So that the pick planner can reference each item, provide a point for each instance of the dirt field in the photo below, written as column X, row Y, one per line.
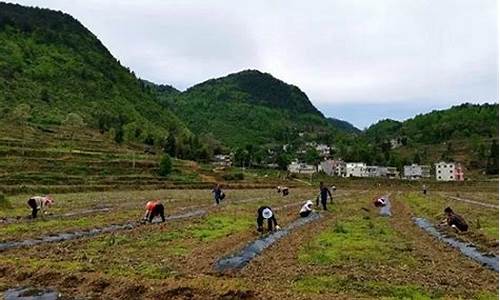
column 349, row 253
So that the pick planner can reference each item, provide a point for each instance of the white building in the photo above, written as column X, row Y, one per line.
column 323, row 150
column 301, row 168
column 222, row 160
column 375, row 171
column 333, row 167
column 415, row 172
column 448, row 171
column 356, row 169
column 391, row 172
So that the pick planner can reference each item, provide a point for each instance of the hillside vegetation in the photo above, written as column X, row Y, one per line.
column 249, row 107
column 51, row 62
column 467, row 133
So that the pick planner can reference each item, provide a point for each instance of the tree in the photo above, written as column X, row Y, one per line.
column 73, row 123
column 241, row 157
column 492, row 164
column 165, row 165
column 283, row 160
column 312, row 157
column 169, row 146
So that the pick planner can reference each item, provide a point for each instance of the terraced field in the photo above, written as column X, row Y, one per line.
column 349, row 252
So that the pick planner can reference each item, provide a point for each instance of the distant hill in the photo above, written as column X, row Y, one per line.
column 463, row 121
column 248, row 107
column 466, row 133
column 51, row 62
column 344, row 126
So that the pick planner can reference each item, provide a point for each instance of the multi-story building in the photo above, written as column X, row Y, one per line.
column 333, row 167
column 415, row 172
column 449, row 171
column 356, row 169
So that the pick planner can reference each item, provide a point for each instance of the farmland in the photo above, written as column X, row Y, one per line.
column 349, row 252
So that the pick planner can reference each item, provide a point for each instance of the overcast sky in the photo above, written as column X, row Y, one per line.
column 357, row 60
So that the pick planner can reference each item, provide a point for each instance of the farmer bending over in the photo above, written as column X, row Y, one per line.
column 153, row 209
column 266, row 213
column 283, row 190
column 324, row 193
column 39, row 203
column 455, row 221
column 307, row 209
column 380, row 202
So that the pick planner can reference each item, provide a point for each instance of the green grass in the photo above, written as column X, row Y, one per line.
column 480, row 219
column 218, row 226
column 379, row 289
column 357, row 238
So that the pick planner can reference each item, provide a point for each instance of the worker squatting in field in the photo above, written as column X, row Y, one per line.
column 266, row 213
column 39, row 203
column 154, row 209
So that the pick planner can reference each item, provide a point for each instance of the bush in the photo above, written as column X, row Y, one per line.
column 233, row 176
column 4, row 202
column 165, row 165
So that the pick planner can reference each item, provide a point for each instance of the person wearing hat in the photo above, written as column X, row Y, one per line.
column 424, row 189
column 324, row 193
column 39, row 203
column 153, row 209
column 266, row 213
column 379, row 202
column 455, row 221
column 218, row 193
column 307, row 209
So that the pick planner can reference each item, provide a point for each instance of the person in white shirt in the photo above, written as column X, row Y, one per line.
column 306, row 209
column 39, row 203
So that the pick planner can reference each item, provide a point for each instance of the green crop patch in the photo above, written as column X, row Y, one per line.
column 357, row 239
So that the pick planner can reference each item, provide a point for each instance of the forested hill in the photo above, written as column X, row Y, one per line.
column 467, row 133
column 52, row 63
column 260, row 88
column 458, row 122
column 249, row 107
column 344, row 126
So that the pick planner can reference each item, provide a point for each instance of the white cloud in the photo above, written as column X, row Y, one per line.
column 344, row 51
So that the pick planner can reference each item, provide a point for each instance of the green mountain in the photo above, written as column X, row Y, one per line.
column 51, row 62
column 344, row 126
column 467, row 133
column 248, row 107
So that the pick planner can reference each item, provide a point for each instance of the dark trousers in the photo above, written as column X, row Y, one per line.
column 158, row 210
column 304, row 214
column 270, row 222
column 34, row 209
column 217, row 199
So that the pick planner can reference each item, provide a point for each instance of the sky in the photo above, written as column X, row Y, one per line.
column 357, row 60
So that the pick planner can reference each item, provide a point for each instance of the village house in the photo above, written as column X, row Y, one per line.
column 323, row 150
column 391, row 172
column 356, row 169
column 333, row 167
column 301, row 168
column 222, row 160
column 415, row 172
column 449, row 171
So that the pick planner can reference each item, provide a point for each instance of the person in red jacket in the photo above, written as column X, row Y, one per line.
column 153, row 209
